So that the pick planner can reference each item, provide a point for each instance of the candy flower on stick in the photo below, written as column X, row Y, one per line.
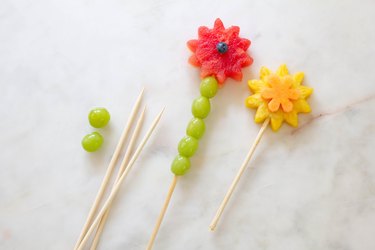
column 277, row 97
column 220, row 54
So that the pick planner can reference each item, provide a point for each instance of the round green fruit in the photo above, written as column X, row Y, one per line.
column 99, row 117
column 188, row 146
column 196, row 128
column 201, row 107
column 180, row 165
column 209, row 87
column 92, row 142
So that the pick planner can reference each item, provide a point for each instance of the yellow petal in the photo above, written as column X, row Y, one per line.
column 262, row 113
column 287, row 81
column 256, row 85
column 254, row 101
column 268, row 93
column 276, row 120
column 282, row 70
column 264, row 72
column 291, row 118
column 301, row 106
column 298, row 78
column 272, row 81
column 287, row 105
column 274, row 105
column 305, row 91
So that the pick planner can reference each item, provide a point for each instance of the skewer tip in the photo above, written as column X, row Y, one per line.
column 162, row 111
column 160, row 114
column 141, row 93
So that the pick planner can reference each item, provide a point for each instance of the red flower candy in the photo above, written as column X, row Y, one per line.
column 220, row 52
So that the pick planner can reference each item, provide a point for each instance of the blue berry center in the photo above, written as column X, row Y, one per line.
column 222, row 47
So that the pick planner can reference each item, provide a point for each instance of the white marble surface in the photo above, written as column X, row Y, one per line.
column 310, row 188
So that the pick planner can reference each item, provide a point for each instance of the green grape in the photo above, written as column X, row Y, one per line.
column 201, row 107
column 209, row 87
column 180, row 165
column 99, row 117
column 92, row 142
column 196, row 128
column 188, row 146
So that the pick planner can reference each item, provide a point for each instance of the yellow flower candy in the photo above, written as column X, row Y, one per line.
column 278, row 96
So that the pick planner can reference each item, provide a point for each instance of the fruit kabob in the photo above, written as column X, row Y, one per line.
column 220, row 54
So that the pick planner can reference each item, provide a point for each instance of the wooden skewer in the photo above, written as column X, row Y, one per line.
column 124, row 162
column 110, row 169
column 116, row 188
column 162, row 213
column 238, row 176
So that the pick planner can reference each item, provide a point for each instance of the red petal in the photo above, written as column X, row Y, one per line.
column 244, row 44
column 247, row 61
column 194, row 61
column 207, row 70
column 205, row 74
column 219, row 24
column 237, row 75
column 192, row 45
column 203, row 32
column 233, row 31
column 221, row 77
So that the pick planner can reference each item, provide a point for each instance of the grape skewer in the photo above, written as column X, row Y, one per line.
column 220, row 53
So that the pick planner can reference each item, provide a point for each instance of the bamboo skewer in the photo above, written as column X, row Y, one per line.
column 124, row 162
column 117, row 186
column 110, row 169
column 238, row 176
column 162, row 213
